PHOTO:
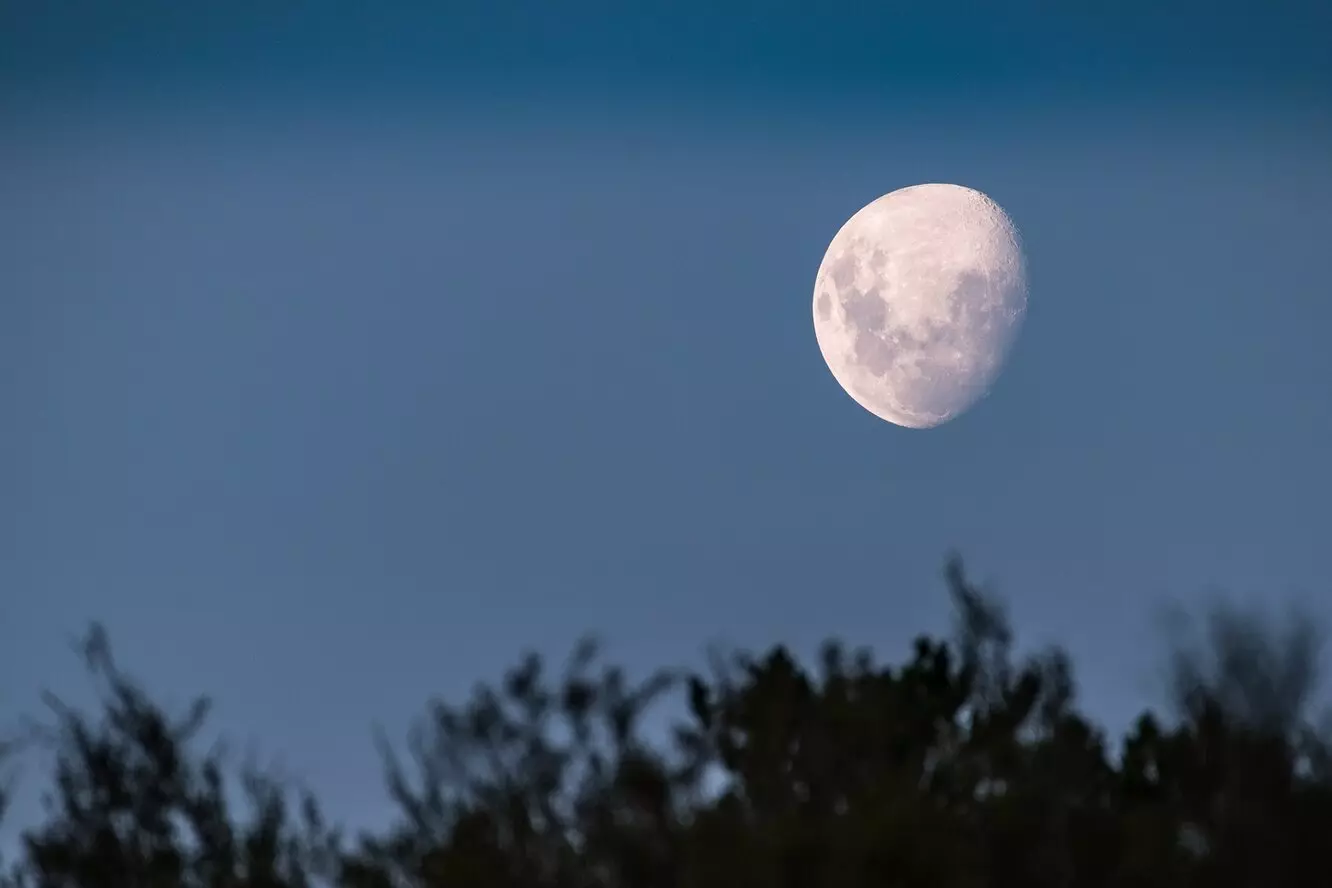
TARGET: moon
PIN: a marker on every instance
(918, 301)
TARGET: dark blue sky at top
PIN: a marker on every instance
(479, 49)
(346, 352)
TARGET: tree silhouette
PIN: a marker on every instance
(965, 766)
(132, 805)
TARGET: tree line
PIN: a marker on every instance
(965, 766)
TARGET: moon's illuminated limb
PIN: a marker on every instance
(918, 300)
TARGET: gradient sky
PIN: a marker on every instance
(345, 354)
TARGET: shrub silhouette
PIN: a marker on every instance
(963, 767)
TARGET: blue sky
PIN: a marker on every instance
(343, 355)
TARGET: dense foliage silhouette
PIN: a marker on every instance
(964, 767)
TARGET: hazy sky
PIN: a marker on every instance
(345, 355)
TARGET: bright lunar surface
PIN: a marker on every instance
(918, 300)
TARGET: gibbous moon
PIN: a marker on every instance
(918, 300)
